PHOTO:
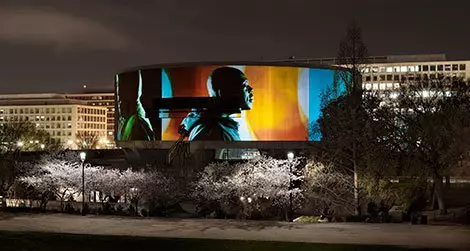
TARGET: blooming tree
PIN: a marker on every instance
(328, 190)
(55, 176)
(151, 187)
(60, 175)
(249, 186)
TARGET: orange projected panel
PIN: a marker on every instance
(268, 103)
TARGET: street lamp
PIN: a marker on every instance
(82, 158)
(290, 157)
(19, 144)
(43, 146)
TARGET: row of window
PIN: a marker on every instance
(415, 68)
(54, 125)
(51, 110)
(91, 111)
(91, 126)
(102, 104)
(35, 118)
(390, 77)
(60, 133)
(91, 133)
(91, 118)
(107, 97)
(36, 110)
(381, 86)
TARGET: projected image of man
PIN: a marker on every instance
(228, 85)
(133, 121)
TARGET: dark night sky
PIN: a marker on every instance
(58, 45)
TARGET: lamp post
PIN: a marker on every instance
(290, 157)
(19, 144)
(82, 158)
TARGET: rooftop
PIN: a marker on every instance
(371, 59)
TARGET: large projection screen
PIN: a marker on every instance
(274, 103)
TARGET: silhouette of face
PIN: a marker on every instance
(248, 98)
(227, 82)
(129, 87)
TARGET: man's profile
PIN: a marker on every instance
(133, 122)
(227, 84)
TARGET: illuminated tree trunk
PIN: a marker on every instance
(439, 194)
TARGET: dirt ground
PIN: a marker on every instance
(424, 236)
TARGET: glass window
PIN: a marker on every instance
(389, 69)
(440, 67)
(389, 77)
(375, 69)
(455, 67)
(396, 77)
(411, 68)
(52, 110)
(432, 68)
(403, 69)
(396, 68)
(382, 77)
(447, 67)
(425, 67)
(374, 78)
(462, 67)
(69, 110)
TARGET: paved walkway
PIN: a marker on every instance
(453, 237)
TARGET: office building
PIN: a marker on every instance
(394, 70)
(102, 98)
(68, 121)
(387, 72)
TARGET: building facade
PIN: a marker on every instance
(387, 72)
(67, 121)
(388, 75)
(101, 99)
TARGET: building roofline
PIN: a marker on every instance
(281, 63)
(49, 95)
(36, 102)
(376, 59)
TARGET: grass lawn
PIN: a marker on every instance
(40, 241)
